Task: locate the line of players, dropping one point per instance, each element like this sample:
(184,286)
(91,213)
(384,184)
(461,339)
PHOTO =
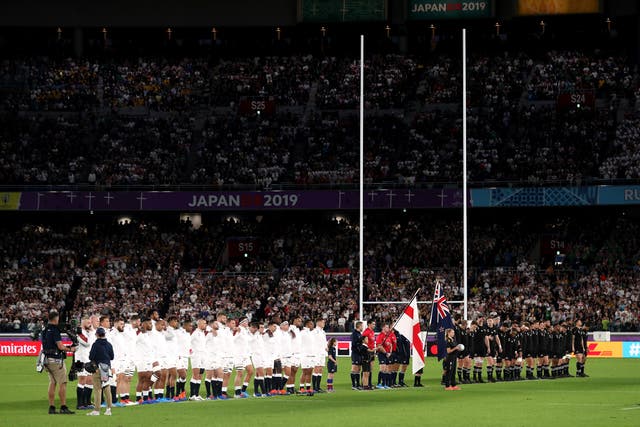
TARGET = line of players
(393,351)
(161,352)
(508,348)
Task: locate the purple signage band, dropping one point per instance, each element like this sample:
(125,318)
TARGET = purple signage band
(229,200)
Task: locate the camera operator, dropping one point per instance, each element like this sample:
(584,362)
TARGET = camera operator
(55,353)
(101,355)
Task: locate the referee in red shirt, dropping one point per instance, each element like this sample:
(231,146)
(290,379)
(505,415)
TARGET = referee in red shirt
(370,335)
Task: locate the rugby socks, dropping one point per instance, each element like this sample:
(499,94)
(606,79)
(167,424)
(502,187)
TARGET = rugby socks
(285,380)
(355,379)
(88,389)
(80,395)
(237,390)
(216,384)
(158,393)
(145,396)
(224,391)
(539,371)
(138,396)
(124,396)
(114,394)
(277,381)
(394,378)
(245,386)
(459,370)
(401,378)
(330,384)
(192,388)
(466,374)
(315,382)
(181,385)
(545,369)
(477,374)
(256,385)
(379,378)
(490,373)
(267,383)
(499,373)
(207,385)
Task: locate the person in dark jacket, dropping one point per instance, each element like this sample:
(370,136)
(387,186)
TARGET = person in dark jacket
(101,355)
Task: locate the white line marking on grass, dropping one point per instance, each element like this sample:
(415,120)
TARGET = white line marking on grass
(631,408)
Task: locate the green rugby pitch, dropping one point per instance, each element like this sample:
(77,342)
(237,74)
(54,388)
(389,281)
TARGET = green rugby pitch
(609,397)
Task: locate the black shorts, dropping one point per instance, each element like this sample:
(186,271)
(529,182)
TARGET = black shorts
(393,359)
(403,360)
(383,359)
(332,368)
(500,358)
(366,366)
(356,359)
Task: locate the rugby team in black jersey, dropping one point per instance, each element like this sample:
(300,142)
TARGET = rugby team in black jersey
(542,349)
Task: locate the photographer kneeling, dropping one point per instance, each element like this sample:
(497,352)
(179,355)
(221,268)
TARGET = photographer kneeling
(100,357)
(54,354)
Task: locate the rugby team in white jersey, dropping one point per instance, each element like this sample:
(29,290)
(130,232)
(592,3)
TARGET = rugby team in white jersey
(162,351)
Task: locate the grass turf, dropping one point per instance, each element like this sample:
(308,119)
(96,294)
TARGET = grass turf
(610,397)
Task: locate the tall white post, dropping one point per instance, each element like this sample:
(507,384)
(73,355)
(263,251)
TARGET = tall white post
(361,263)
(465,266)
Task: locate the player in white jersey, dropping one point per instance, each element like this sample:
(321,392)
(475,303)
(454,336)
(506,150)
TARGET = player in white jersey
(257,348)
(242,358)
(226,351)
(86,338)
(213,364)
(272,353)
(320,353)
(162,356)
(296,349)
(198,358)
(307,345)
(123,364)
(146,361)
(171,335)
(286,356)
(184,352)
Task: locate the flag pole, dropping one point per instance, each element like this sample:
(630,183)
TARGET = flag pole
(361,208)
(405,307)
(426,338)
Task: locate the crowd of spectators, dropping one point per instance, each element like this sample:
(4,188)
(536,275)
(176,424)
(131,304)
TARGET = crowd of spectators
(308,267)
(110,150)
(411,137)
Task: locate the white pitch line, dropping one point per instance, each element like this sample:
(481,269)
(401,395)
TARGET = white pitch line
(631,408)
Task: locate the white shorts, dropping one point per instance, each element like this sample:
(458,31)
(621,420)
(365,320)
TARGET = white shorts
(258,361)
(144,365)
(227,364)
(172,362)
(198,361)
(308,362)
(295,361)
(126,367)
(240,362)
(182,362)
(286,361)
(319,360)
(212,362)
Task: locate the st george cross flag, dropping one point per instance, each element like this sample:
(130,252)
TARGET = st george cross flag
(409,325)
(440,320)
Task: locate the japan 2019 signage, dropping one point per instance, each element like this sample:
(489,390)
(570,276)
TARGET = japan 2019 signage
(448,9)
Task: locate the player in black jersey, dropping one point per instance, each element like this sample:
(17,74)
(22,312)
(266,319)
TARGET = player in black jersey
(461,337)
(568,349)
(503,332)
(517,343)
(526,339)
(494,346)
(480,349)
(557,351)
(544,349)
(579,338)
